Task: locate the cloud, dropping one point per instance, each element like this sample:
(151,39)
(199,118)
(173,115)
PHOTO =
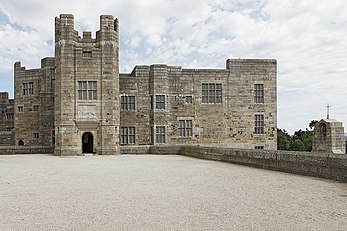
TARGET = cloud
(17,44)
(306,37)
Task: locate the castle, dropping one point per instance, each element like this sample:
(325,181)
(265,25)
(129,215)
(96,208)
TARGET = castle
(78,102)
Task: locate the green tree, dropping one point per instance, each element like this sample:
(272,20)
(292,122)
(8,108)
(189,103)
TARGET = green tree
(300,141)
(296,145)
(283,139)
(303,141)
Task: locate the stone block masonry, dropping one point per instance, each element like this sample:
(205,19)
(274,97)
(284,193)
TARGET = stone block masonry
(203,106)
(87,89)
(329,137)
(34,104)
(78,102)
(6,120)
(323,165)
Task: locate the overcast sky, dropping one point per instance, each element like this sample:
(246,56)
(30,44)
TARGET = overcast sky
(307,37)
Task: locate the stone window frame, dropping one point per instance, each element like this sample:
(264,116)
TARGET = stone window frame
(10,116)
(160,134)
(28,88)
(127,135)
(160,100)
(259,124)
(20,108)
(87,90)
(185,127)
(128,102)
(258,93)
(87,54)
(212,93)
(35,107)
(259,147)
(36,135)
(189,99)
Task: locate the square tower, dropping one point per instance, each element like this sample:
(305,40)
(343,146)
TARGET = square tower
(87,113)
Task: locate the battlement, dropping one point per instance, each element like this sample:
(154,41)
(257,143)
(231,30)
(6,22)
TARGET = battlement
(4,98)
(65,30)
(45,62)
(230,63)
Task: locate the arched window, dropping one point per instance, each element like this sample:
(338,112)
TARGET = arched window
(322,132)
(20,142)
(323,129)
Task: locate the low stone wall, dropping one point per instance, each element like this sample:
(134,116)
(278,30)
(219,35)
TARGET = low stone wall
(324,165)
(165,150)
(12,150)
(134,150)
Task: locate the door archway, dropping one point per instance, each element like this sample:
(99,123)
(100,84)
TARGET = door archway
(87,142)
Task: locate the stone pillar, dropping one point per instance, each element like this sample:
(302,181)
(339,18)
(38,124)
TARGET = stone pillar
(329,137)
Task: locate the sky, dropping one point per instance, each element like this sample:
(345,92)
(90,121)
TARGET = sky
(308,38)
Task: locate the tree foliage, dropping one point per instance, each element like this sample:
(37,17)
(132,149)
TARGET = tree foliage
(300,141)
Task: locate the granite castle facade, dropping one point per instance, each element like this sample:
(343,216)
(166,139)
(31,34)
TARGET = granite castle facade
(78,101)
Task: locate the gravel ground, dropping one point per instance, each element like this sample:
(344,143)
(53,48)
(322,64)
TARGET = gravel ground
(148,192)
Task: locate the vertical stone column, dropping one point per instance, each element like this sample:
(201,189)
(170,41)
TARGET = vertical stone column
(108,133)
(65,128)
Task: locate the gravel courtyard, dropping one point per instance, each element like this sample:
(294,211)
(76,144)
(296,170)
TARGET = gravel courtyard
(149,192)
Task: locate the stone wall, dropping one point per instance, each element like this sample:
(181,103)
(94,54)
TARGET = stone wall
(77,96)
(135,150)
(228,121)
(14,150)
(6,138)
(87,88)
(33,103)
(6,119)
(324,165)
(329,137)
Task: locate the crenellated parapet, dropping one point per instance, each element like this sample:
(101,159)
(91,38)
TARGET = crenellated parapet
(65,30)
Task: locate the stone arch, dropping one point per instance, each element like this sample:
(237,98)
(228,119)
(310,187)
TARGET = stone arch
(20,142)
(87,142)
(322,132)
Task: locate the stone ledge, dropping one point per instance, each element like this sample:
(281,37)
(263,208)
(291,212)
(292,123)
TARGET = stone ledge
(15,150)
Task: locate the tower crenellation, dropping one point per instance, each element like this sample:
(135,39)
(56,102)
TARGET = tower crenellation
(108,29)
(65,28)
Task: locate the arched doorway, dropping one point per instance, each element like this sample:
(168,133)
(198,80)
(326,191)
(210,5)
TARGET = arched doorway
(20,143)
(87,143)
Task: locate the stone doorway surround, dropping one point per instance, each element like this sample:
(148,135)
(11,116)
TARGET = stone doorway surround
(87,142)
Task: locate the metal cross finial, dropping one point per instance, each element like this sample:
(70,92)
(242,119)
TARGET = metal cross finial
(328,110)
